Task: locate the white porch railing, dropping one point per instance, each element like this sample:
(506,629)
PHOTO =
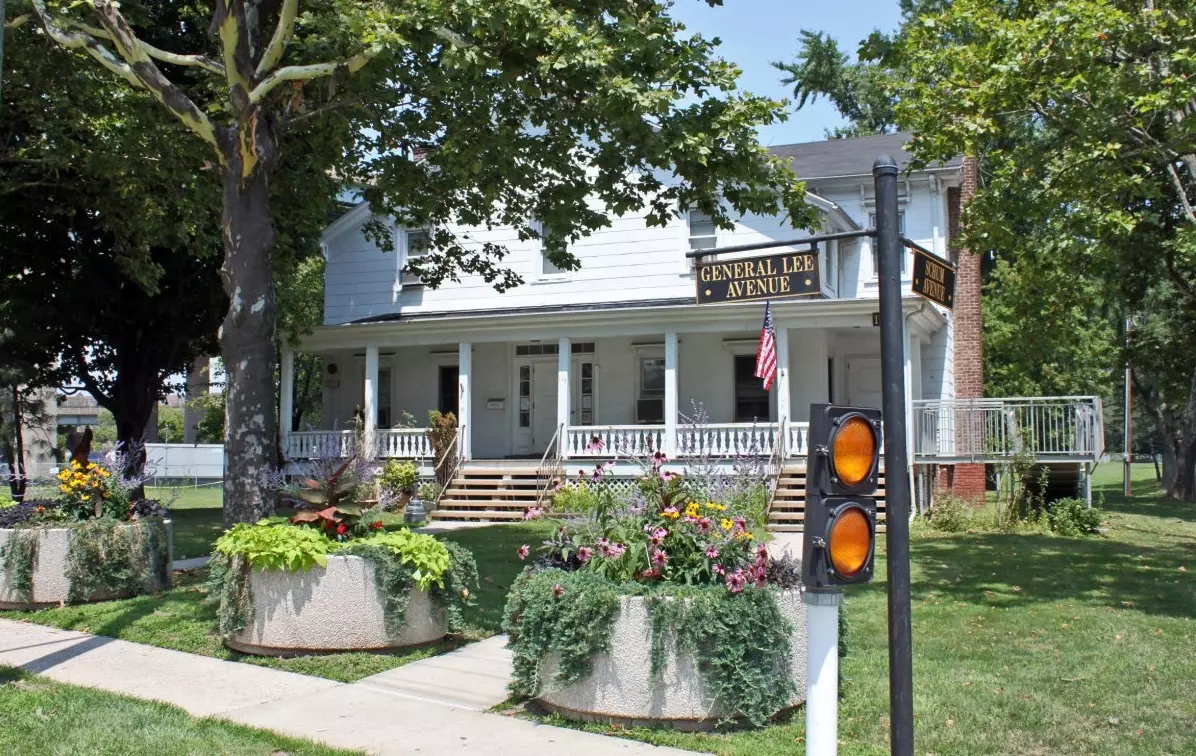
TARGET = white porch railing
(403,443)
(1060,429)
(712,439)
(611,440)
(728,440)
(312,444)
(391,443)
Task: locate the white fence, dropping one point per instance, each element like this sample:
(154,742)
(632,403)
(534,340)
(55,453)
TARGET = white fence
(183,461)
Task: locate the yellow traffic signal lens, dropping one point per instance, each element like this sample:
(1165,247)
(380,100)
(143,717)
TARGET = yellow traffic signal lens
(853,450)
(850,542)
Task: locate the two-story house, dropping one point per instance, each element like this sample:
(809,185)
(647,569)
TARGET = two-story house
(614,357)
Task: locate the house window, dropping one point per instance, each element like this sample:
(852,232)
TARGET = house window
(875,248)
(449,391)
(702,234)
(535,350)
(419,244)
(554,245)
(587,394)
(751,400)
(649,405)
(525,396)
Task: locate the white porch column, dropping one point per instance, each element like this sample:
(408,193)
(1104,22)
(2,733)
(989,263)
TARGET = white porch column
(906,347)
(286,392)
(564,359)
(370,401)
(783,395)
(465,397)
(670,394)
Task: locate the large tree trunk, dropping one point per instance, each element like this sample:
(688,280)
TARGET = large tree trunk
(1183,483)
(18,480)
(247,340)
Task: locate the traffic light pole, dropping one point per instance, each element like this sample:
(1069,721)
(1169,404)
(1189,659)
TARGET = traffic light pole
(822,671)
(892,362)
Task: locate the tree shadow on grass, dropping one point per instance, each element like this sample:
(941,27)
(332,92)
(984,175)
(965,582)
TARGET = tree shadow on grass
(1006,570)
(1147,500)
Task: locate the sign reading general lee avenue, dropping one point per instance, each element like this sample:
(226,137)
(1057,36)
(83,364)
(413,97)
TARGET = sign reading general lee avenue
(934,278)
(792,274)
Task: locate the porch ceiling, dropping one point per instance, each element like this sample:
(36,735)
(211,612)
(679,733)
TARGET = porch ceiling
(633,320)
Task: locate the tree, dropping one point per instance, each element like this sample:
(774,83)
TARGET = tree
(170,424)
(451,113)
(210,429)
(1100,94)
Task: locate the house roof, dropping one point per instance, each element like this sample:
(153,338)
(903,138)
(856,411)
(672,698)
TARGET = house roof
(849,157)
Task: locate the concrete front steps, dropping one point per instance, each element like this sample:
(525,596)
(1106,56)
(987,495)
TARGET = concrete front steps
(489,491)
(788,511)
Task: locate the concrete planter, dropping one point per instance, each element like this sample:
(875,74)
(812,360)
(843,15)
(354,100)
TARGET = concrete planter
(621,688)
(50,584)
(333,608)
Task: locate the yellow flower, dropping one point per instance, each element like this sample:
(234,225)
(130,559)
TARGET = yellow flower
(726,524)
(84,497)
(671,513)
(692,509)
(745,536)
(105,473)
(716,507)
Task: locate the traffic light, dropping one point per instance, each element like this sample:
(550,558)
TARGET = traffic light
(842,468)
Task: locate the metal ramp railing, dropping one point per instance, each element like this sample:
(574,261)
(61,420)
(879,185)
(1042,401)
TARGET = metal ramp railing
(1053,428)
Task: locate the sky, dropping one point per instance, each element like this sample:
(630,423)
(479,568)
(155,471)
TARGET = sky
(756,32)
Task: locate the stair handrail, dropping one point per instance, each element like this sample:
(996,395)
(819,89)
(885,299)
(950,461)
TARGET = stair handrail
(545,473)
(776,463)
(456,453)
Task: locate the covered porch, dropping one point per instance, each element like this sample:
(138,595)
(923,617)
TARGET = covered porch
(603,389)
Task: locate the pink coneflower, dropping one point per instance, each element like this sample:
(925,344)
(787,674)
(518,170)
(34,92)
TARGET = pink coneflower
(712,553)
(740,524)
(736,581)
(532,513)
(584,554)
(658,536)
(659,557)
(558,591)
(718,569)
(524,550)
(704,524)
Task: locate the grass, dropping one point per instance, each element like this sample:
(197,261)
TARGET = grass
(1025,644)
(180,619)
(38,716)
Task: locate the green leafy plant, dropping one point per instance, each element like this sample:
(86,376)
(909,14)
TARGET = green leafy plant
(429,491)
(273,545)
(1073,517)
(398,477)
(442,431)
(20,562)
(950,513)
(333,489)
(228,586)
(552,611)
(107,557)
(427,557)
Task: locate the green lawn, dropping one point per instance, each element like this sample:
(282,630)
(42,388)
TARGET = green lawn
(38,716)
(1026,644)
(181,620)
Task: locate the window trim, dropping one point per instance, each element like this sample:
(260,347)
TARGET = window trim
(540,275)
(640,358)
(688,237)
(875,250)
(409,279)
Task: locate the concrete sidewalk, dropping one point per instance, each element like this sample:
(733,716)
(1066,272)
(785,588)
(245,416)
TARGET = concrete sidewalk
(432,706)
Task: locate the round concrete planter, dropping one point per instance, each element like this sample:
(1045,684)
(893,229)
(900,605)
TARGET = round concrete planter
(621,688)
(50,584)
(332,608)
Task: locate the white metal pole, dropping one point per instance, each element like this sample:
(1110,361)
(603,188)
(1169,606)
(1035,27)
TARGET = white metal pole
(822,672)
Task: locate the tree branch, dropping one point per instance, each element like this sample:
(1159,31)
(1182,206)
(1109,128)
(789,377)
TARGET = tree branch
(282,36)
(314,71)
(147,72)
(82,41)
(16,21)
(157,53)
(1183,193)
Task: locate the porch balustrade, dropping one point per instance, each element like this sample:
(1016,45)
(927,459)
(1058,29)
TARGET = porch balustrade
(613,440)
(313,444)
(711,439)
(403,443)
(728,440)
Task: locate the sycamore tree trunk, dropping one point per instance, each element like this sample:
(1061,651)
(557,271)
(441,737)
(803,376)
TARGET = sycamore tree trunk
(247,334)
(1183,482)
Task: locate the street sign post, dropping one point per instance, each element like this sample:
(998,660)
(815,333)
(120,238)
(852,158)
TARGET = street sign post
(892,368)
(934,278)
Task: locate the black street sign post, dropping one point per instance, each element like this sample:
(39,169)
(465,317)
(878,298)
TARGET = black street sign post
(790,274)
(934,277)
(892,368)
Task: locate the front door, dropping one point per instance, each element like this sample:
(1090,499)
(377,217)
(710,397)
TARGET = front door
(544,390)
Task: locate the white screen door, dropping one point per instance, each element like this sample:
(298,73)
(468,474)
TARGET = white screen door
(543,403)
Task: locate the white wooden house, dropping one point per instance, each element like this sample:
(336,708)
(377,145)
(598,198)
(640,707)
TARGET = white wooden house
(618,351)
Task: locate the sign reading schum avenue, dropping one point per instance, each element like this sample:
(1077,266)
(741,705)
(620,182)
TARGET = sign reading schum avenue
(791,274)
(934,278)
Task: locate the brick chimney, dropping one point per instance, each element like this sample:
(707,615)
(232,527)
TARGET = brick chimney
(966,480)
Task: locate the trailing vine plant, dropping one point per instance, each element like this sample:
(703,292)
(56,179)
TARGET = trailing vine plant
(228,586)
(20,562)
(569,614)
(107,558)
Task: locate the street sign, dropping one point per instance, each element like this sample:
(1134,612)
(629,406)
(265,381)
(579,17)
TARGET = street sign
(790,274)
(934,278)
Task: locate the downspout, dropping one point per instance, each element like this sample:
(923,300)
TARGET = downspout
(919,499)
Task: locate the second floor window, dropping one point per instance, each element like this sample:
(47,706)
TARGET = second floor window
(702,232)
(419,244)
(550,245)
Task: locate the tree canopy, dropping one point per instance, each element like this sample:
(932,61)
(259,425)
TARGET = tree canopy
(532,114)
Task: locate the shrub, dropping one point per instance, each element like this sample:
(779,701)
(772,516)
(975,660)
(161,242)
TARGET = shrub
(429,491)
(275,545)
(575,498)
(951,514)
(398,477)
(1072,517)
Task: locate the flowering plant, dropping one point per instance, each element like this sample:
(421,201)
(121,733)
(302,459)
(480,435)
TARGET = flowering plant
(662,534)
(87,491)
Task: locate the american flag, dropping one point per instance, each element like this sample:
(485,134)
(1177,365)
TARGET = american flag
(766,354)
